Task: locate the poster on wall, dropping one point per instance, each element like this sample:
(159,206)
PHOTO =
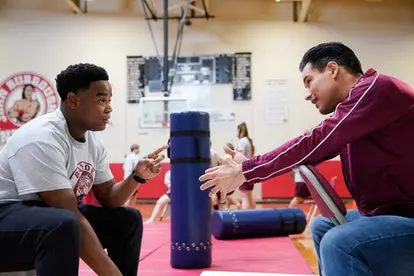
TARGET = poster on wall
(241,77)
(135,78)
(276,101)
(145,74)
(23,97)
(189,70)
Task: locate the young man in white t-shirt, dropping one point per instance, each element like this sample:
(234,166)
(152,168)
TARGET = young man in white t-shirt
(48,166)
(130,162)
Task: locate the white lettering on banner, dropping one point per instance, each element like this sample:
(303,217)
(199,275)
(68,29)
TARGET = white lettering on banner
(3,95)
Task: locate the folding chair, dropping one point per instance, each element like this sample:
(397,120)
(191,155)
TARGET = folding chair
(313,207)
(326,199)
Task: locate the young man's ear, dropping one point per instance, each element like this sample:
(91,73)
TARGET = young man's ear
(73,100)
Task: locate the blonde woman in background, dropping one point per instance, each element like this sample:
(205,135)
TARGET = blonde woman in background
(246,147)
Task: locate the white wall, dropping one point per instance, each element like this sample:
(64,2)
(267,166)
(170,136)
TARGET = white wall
(46,43)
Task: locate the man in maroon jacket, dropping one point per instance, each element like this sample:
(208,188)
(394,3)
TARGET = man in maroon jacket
(372,129)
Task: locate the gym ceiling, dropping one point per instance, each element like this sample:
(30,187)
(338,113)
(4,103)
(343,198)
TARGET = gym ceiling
(300,11)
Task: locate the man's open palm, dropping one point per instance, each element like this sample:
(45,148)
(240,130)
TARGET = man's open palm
(225,178)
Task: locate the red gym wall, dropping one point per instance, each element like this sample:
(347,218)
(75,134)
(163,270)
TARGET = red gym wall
(278,187)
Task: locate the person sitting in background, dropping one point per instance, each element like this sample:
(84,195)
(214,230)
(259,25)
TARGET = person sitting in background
(371,128)
(130,162)
(163,201)
(48,166)
(301,191)
(246,147)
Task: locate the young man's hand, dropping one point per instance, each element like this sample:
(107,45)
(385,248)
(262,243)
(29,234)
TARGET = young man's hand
(150,166)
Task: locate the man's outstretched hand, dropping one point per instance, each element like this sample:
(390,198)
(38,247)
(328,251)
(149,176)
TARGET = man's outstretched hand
(150,166)
(225,178)
(238,157)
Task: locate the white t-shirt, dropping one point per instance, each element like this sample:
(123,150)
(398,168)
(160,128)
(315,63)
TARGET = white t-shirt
(167,181)
(245,147)
(130,163)
(42,156)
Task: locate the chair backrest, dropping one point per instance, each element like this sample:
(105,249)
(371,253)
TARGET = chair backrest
(324,194)
(333,181)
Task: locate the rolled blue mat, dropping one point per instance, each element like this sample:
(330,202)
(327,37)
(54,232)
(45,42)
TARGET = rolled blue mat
(190,207)
(257,223)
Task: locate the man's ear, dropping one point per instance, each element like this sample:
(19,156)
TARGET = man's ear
(333,68)
(73,100)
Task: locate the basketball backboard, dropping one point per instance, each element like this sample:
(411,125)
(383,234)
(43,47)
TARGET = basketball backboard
(155,111)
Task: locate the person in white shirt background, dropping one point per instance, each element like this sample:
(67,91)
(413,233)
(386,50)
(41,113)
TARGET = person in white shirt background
(130,162)
(246,147)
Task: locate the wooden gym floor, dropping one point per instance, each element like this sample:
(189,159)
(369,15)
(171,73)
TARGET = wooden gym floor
(303,243)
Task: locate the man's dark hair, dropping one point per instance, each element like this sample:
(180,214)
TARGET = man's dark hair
(319,56)
(78,77)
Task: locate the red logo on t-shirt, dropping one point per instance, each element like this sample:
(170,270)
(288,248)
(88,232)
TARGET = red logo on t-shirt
(83,176)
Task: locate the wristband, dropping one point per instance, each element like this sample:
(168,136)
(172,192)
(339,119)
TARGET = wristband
(138,179)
